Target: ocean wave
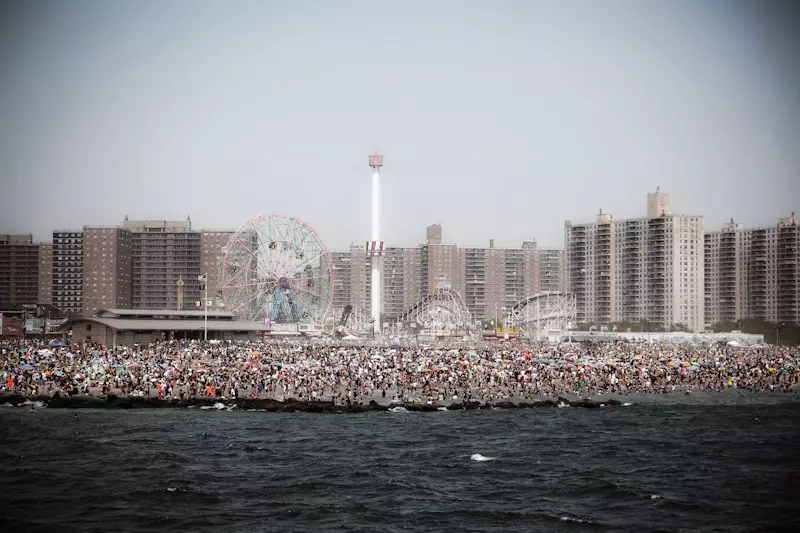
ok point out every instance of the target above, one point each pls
(480, 458)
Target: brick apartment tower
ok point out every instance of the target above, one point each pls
(106, 269)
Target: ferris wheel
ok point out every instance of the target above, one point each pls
(276, 269)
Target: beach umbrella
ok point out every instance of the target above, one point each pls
(60, 345)
(117, 365)
(27, 367)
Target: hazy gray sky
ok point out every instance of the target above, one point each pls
(498, 119)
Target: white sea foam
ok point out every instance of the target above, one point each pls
(480, 458)
(626, 404)
(398, 409)
(441, 408)
(655, 497)
(562, 404)
(572, 519)
(219, 406)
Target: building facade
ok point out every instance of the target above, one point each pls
(495, 279)
(402, 285)
(636, 270)
(107, 268)
(68, 271)
(360, 274)
(212, 253)
(45, 282)
(550, 271)
(753, 273)
(341, 280)
(490, 280)
(19, 272)
(162, 252)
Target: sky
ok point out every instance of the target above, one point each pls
(497, 119)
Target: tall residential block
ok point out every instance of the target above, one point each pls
(19, 272)
(163, 252)
(341, 280)
(475, 281)
(495, 279)
(550, 272)
(753, 273)
(788, 271)
(402, 280)
(45, 282)
(107, 269)
(648, 269)
(726, 273)
(212, 254)
(591, 254)
(360, 273)
(531, 268)
(68, 271)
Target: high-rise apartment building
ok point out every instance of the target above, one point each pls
(494, 307)
(19, 271)
(788, 271)
(475, 281)
(163, 252)
(726, 268)
(495, 279)
(212, 254)
(550, 271)
(648, 269)
(402, 280)
(753, 273)
(107, 269)
(45, 283)
(360, 273)
(340, 262)
(531, 268)
(440, 263)
(591, 254)
(68, 271)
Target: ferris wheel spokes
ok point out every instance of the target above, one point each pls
(276, 268)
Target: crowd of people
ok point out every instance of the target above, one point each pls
(314, 371)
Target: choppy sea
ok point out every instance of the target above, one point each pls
(660, 464)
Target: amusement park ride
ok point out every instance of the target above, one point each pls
(277, 270)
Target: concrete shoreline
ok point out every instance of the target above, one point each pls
(289, 405)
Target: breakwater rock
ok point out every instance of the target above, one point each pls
(286, 406)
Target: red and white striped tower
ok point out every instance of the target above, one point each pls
(375, 246)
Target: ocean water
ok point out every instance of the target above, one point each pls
(657, 465)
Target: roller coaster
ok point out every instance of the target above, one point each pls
(441, 312)
(543, 315)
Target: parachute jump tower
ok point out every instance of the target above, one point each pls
(375, 246)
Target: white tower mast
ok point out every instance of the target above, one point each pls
(375, 246)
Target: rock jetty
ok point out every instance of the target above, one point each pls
(287, 406)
